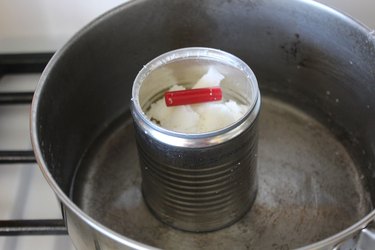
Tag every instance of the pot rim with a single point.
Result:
(330, 241)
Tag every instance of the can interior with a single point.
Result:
(315, 70)
(185, 71)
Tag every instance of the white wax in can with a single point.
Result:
(198, 118)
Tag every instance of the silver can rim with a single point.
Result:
(210, 138)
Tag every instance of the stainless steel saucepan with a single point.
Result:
(316, 154)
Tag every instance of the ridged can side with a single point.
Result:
(199, 189)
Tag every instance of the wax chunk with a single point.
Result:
(211, 79)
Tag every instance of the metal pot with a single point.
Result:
(316, 70)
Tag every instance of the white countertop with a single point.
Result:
(41, 25)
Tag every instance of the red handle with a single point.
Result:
(191, 96)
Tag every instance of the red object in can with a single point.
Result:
(192, 96)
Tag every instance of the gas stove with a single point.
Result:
(30, 216)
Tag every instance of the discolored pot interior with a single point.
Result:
(316, 73)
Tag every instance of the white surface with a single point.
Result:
(41, 25)
(45, 25)
(361, 10)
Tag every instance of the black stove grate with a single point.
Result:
(21, 64)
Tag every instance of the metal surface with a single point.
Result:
(301, 52)
(32, 227)
(209, 181)
(363, 240)
(309, 188)
(16, 98)
(23, 63)
(16, 157)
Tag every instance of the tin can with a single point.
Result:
(197, 182)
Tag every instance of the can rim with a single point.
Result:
(195, 139)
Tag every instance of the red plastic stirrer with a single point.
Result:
(191, 96)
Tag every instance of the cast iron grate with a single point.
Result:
(20, 64)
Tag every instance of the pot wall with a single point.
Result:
(304, 53)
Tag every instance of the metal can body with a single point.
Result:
(198, 182)
(199, 189)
